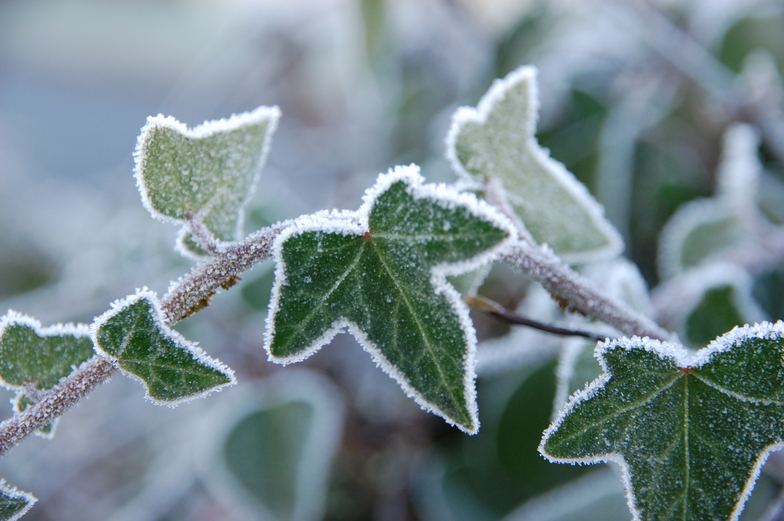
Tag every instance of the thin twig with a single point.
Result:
(497, 310)
(578, 294)
(201, 234)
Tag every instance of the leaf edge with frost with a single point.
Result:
(682, 359)
(192, 348)
(12, 493)
(348, 222)
(566, 179)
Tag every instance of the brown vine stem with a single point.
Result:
(578, 294)
(188, 295)
(56, 401)
(500, 312)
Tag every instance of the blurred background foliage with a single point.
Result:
(635, 98)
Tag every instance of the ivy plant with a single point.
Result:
(690, 431)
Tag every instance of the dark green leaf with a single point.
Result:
(384, 278)
(690, 432)
(173, 369)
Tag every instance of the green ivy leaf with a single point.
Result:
(172, 369)
(381, 273)
(209, 172)
(690, 431)
(14, 503)
(496, 140)
(34, 358)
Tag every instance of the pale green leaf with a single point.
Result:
(496, 140)
(172, 369)
(689, 431)
(14, 503)
(381, 273)
(206, 173)
(34, 358)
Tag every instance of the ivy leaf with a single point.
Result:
(13, 502)
(34, 358)
(690, 432)
(208, 172)
(172, 369)
(274, 447)
(381, 273)
(496, 140)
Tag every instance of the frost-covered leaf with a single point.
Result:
(34, 358)
(208, 172)
(690, 432)
(275, 445)
(704, 229)
(172, 369)
(381, 273)
(496, 140)
(13, 502)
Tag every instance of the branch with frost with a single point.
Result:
(56, 401)
(193, 292)
(572, 291)
(577, 294)
(185, 297)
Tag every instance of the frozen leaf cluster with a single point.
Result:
(690, 432)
